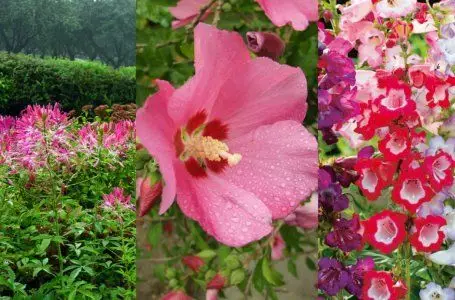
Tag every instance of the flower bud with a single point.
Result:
(193, 262)
(217, 282)
(265, 44)
(147, 193)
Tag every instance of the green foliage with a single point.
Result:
(26, 80)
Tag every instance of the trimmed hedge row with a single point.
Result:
(26, 79)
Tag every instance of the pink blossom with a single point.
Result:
(229, 142)
(355, 12)
(117, 198)
(295, 12)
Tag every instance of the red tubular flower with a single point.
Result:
(385, 231)
(440, 169)
(396, 144)
(397, 102)
(428, 236)
(400, 289)
(411, 189)
(193, 262)
(378, 285)
(374, 175)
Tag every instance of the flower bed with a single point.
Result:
(386, 181)
(67, 222)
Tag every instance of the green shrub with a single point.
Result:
(33, 80)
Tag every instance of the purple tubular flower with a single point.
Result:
(332, 276)
(356, 273)
(338, 68)
(345, 234)
(265, 44)
(331, 198)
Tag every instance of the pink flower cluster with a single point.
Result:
(117, 198)
(45, 136)
(115, 137)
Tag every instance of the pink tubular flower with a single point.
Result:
(386, 230)
(229, 142)
(395, 8)
(411, 189)
(378, 285)
(296, 12)
(187, 10)
(117, 197)
(211, 294)
(374, 175)
(428, 236)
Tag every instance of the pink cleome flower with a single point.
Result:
(229, 142)
(117, 198)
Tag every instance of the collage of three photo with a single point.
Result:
(227, 149)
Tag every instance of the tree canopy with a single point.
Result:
(89, 29)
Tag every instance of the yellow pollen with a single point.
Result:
(206, 147)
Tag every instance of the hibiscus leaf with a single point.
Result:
(271, 275)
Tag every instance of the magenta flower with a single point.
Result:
(117, 198)
(229, 142)
(298, 13)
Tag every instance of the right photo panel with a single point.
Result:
(386, 147)
(227, 154)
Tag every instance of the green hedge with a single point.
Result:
(26, 79)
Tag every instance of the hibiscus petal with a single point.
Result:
(187, 8)
(156, 136)
(235, 217)
(279, 165)
(296, 12)
(218, 53)
(261, 92)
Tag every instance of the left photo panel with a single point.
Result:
(67, 149)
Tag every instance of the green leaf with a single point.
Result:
(155, 233)
(310, 264)
(272, 276)
(44, 244)
(237, 277)
(207, 254)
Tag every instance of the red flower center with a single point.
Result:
(200, 146)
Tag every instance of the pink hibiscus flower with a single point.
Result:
(229, 142)
(298, 13)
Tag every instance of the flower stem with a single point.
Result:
(408, 255)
